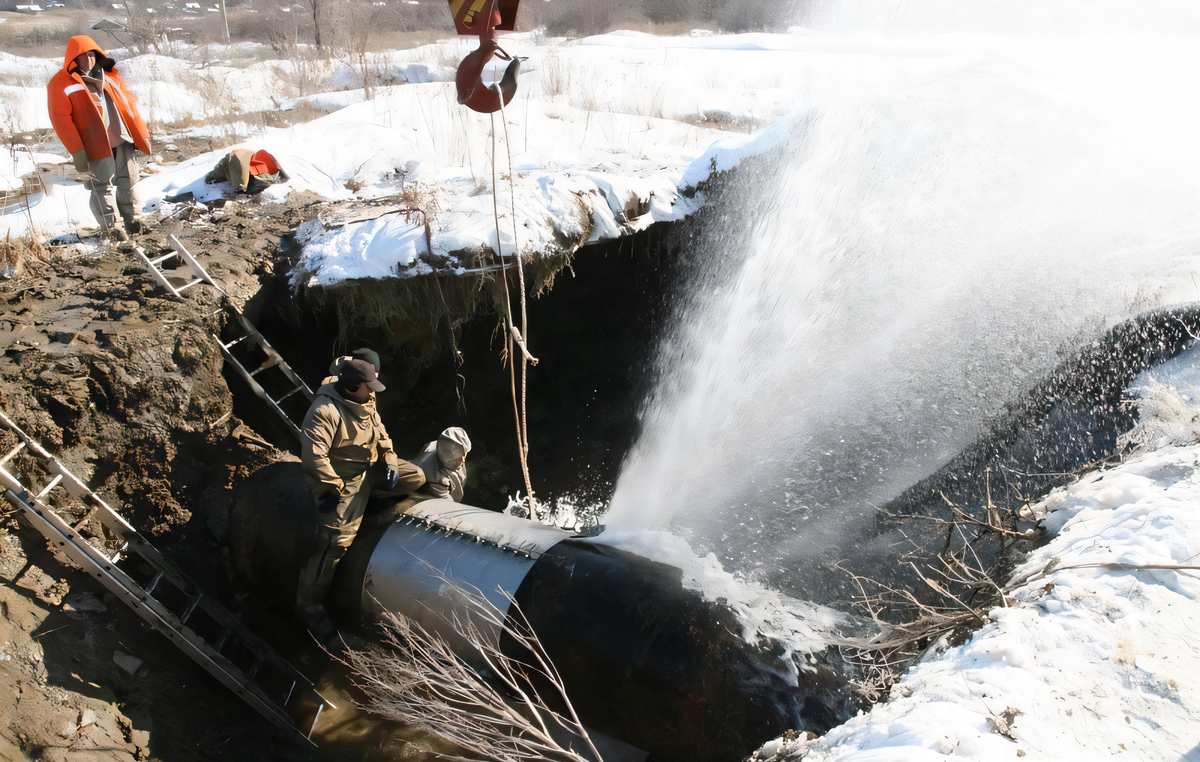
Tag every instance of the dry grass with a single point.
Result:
(17, 253)
(951, 597)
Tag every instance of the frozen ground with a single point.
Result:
(1098, 660)
(591, 157)
(1096, 654)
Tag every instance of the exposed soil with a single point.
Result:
(126, 386)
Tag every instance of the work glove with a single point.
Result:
(392, 477)
(80, 160)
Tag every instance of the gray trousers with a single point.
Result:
(118, 172)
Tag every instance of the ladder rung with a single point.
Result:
(289, 394)
(314, 725)
(153, 583)
(189, 285)
(12, 453)
(53, 483)
(237, 341)
(163, 258)
(70, 545)
(191, 607)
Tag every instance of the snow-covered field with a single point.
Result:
(591, 157)
(1098, 652)
(1091, 660)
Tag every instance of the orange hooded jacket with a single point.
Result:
(76, 117)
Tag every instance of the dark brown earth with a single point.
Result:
(124, 384)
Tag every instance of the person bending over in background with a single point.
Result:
(96, 118)
(348, 459)
(444, 463)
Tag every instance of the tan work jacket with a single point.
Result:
(440, 481)
(341, 438)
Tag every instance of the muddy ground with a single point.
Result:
(125, 385)
(128, 388)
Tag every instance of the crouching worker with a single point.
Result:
(348, 459)
(444, 463)
(97, 120)
(247, 171)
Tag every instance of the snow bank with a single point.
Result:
(606, 139)
(1095, 656)
(589, 176)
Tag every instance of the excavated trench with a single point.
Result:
(594, 333)
(132, 398)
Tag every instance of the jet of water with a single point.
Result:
(948, 217)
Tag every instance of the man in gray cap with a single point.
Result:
(348, 459)
(444, 463)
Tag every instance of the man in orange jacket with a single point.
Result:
(96, 118)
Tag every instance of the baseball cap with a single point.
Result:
(360, 372)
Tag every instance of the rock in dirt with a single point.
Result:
(75, 605)
(12, 558)
(127, 662)
(46, 588)
(41, 720)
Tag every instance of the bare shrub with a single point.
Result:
(147, 28)
(422, 682)
(555, 76)
(909, 622)
(358, 22)
(575, 18)
(35, 37)
(950, 597)
(412, 17)
(751, 16)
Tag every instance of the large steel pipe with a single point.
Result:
(643, 659)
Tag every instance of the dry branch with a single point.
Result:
(422, 682)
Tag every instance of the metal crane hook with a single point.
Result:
(483, 17)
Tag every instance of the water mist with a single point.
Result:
(948, 216)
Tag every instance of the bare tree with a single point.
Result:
(358, 22)
(422, 682)
(317, 7)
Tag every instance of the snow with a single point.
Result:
(592, 158)
(1097, 650)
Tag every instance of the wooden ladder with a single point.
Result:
(171, 603)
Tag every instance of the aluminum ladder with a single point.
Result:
(273, 360)
(187, 269)
(191, 273)
(171, 603)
